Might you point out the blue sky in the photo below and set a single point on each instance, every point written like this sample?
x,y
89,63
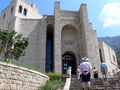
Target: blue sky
x,y
104,14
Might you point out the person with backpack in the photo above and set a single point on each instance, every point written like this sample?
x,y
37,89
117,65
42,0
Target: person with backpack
x,y
104,70
95,72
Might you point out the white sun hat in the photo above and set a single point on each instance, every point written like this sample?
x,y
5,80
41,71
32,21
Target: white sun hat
x,y
85,59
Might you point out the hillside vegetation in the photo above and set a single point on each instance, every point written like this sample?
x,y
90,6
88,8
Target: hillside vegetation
x,y
113,42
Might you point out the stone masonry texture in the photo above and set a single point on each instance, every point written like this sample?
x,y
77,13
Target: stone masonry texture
x,y
14,77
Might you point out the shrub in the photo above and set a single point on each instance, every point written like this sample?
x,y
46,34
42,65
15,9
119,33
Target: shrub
x,y
54,83
12,44
54,76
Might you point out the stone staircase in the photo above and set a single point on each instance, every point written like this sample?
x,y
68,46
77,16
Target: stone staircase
x,y
75,84
97,84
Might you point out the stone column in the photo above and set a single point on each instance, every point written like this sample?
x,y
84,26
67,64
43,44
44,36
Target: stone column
x,y
57,39
42,37
84,29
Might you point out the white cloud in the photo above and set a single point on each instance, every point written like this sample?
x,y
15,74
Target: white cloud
x,y
110,15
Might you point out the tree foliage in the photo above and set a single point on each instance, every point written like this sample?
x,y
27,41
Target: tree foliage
x,y
12,44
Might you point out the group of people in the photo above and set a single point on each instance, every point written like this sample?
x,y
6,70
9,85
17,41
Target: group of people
x,y
83,72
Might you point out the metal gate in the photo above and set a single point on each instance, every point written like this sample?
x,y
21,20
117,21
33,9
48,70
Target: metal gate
x,y
68,60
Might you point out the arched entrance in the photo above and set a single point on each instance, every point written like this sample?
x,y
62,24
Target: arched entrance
x,y
68,59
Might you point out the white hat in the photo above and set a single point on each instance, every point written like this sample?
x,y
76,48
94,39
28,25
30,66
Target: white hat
x,y
85,59
69,67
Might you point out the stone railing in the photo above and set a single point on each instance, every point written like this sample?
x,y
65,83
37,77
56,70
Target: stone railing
x,y
67,84
14,77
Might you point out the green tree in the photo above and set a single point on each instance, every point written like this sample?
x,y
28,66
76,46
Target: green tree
x,y
12,44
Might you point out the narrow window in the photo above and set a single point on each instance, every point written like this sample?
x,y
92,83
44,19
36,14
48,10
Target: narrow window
x,y
4,15
20,9
25,11
100,55
114,58
11,9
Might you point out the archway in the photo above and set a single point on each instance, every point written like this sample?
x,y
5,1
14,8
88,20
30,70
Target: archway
x,y
68,59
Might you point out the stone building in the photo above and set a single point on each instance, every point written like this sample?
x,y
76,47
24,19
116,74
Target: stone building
x,y
107,54
55,40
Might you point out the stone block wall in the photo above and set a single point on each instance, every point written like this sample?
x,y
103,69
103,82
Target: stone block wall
x,y
6,16
14,77
109,57
35,30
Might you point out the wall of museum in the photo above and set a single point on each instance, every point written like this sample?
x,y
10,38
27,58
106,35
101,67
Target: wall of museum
x,y
90,42
7,16
109,57
35,30
96,56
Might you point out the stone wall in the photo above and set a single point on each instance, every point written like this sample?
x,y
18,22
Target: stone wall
x,y
14,77
35,30
6,16
109,57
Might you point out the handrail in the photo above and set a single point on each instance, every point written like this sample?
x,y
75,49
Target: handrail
x,y
67,84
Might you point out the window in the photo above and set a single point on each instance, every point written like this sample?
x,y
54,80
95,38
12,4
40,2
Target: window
x,y
49,49
114,58
11,9
20,9
100,55
4,15
25,11
49,56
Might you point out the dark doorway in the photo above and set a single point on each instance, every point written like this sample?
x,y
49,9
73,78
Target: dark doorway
x,y
68,60
49,49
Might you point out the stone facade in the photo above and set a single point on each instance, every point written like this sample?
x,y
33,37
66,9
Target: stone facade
x,y
14,77
69,32
109,57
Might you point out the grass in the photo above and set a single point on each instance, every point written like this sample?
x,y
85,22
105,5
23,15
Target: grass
x,y
19,64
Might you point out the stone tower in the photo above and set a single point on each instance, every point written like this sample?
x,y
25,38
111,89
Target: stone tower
x,y
74,35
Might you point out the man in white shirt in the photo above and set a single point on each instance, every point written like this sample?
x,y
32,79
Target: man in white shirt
x,y
69,71
85,67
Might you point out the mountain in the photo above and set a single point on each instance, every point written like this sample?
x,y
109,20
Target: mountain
x,y
113,42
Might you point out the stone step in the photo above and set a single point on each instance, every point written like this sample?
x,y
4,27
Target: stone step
x,y
97,84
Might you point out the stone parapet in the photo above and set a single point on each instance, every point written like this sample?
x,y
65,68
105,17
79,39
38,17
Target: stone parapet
x,y
14,77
